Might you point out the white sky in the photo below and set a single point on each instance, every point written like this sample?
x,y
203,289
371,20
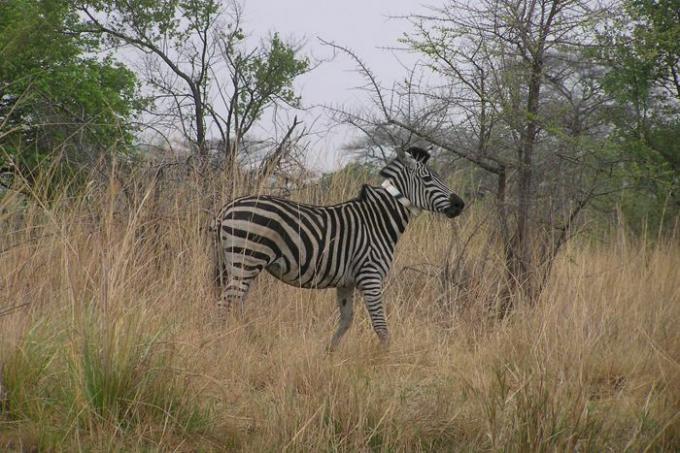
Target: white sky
x,y
362,25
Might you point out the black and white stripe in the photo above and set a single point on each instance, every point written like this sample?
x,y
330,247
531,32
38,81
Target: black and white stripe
x,y
346,246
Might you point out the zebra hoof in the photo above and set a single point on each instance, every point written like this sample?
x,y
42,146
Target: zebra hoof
x,y
384,338
222,315
331,348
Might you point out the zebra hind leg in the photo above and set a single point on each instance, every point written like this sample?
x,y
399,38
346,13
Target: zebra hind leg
x,y
238,282
345,302
234,293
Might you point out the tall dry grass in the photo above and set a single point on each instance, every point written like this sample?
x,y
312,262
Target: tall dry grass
x,y
108,341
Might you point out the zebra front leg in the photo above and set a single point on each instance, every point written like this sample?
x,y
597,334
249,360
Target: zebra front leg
x,y
345,300
372,289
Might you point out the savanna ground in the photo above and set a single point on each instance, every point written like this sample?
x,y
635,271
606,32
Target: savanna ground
x,y
108,340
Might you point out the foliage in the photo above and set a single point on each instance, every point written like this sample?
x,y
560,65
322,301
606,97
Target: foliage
x,y
154,22
641,54
56,96
198,66
270,76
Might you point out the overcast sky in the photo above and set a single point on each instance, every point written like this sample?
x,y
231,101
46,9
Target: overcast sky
x,y
362,25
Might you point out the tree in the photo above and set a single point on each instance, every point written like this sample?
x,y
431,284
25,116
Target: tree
x,y
641,51
189,46
515,98
56,98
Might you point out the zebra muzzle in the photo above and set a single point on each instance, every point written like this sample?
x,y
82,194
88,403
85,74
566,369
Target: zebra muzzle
x,y
456,206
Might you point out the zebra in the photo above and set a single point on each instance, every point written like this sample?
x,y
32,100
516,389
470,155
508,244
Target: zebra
x,y
344,246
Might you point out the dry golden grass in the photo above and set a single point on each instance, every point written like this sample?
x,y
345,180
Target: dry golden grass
x,y
117,347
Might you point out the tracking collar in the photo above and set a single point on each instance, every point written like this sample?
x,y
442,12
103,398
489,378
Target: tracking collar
x,y
392,190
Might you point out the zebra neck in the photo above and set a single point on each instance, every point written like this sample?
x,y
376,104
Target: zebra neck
x,y
392,190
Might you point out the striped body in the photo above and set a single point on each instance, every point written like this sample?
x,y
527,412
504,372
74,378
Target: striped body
x,y
312,246
345,246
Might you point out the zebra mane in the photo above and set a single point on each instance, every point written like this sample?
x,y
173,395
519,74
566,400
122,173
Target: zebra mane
x,y
364,192
394,167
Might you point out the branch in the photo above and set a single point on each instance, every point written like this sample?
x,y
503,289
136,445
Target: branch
x,y
495,169
274,158
139,43
364,69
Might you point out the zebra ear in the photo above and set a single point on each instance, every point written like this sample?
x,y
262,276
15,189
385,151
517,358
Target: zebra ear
x,y
419,154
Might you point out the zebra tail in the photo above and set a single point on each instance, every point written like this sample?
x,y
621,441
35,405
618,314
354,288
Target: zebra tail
x,y
219,270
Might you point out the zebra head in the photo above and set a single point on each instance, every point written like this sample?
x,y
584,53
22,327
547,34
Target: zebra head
x,y
409,178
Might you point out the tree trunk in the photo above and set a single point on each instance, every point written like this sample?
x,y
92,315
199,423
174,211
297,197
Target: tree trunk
x,y
521,264
199,111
